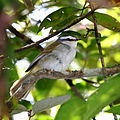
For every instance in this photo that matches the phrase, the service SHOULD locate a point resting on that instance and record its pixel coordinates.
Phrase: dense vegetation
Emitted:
(95, 90)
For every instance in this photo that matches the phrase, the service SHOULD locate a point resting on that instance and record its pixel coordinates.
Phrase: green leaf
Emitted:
(105, 95)
(43, 117)
(72, 110)
(106, 21)
(26, 103)
(59, 18)
(77, 109)
(115, 110)
(10, 69)
(49, 87)
(6, 3)
(34, 28)
(20, 108)
(43, 88)
(48, 103)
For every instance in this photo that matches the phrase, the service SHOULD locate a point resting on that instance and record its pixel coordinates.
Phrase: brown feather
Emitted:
(45, 51)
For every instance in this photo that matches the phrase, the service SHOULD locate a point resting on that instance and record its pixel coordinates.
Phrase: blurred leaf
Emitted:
(49, 88)
(105, 95)
(20, 108)
(10, 69)
(92, 43)
(29, 54)
(6, 3)
(63, 3)
(34, 28)
(29, 4)
(26, 103)
(114, 110)
(43, 88)
(3, 3)
(59, 19)
(84, 87)
(48, 103)
(72, 110)
(42, 117)
(106, 21)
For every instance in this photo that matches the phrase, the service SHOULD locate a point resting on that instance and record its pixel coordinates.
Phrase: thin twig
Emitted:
(57, 32)
(98, 43)
(23, 37)
(2, 57)
(90, 82)
(94, 118)
(114, 115)
(77, 93)
(83, 8)
(88, 31)
(100, 52)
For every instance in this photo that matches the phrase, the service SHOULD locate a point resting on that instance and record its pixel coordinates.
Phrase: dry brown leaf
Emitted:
(104, 3)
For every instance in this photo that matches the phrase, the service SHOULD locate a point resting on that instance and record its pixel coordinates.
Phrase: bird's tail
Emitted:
(22, 86)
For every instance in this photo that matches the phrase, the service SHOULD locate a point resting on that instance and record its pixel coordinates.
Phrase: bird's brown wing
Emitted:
(35, 61)
(45, 51)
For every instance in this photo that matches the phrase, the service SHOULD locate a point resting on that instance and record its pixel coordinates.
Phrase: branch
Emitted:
(5, 20)
(78, 74)
(2, 57)
(57, 32)
(74, 89)
(23, 37)
(100, 52)
(26, 85)
(98, 43)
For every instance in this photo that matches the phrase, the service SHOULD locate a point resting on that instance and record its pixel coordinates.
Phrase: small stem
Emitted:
(99, 45)
(23, 37)
(83, 8)
(94, 118)
(114, 115)
(77, 93)
(2, 57)
(100, 52)
(57, 32)
(88, 81)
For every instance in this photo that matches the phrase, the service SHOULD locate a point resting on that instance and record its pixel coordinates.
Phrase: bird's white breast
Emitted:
(60, 58)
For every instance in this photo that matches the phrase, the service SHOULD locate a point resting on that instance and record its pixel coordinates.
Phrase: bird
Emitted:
(56, 57)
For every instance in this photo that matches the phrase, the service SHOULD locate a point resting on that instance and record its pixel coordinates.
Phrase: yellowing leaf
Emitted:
(104, 3)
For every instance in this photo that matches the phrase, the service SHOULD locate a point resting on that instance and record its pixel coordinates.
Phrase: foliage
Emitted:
(96, 97)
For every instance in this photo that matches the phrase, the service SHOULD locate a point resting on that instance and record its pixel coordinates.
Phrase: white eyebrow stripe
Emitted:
(67, 37)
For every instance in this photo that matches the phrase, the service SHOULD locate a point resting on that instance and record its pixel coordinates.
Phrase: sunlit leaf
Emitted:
(59, 18)
(72, 110)
(10, 68)
(105, 95)
(20, 108)
(115, 110)
(43, 117)
(25, 103)
(107, 21)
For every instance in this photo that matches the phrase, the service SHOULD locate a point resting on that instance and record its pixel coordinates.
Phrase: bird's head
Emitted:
(69, 38)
